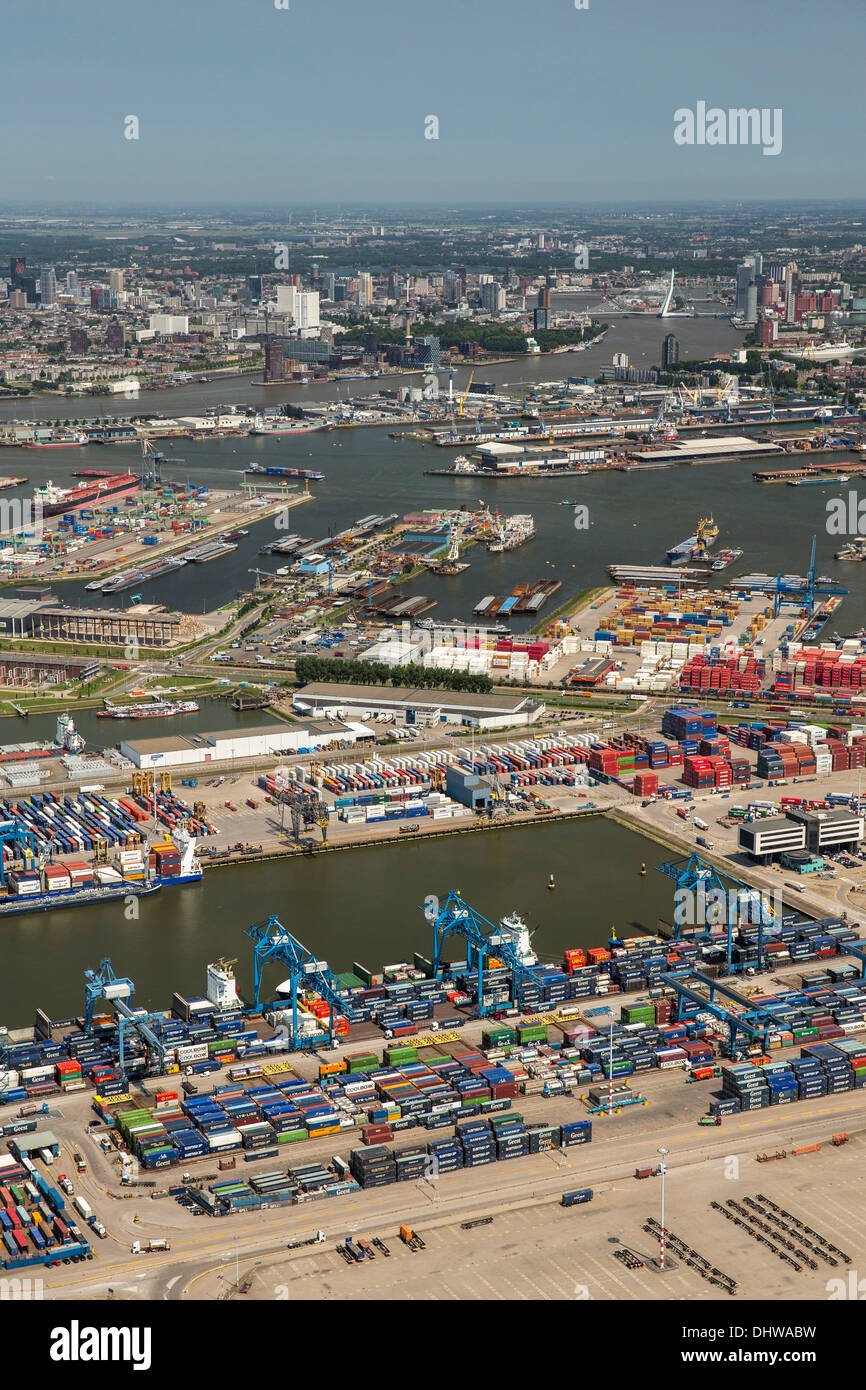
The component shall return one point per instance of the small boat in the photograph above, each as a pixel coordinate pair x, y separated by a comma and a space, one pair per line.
551, 882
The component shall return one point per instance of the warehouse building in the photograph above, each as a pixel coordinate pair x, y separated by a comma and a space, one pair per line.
237, 745
468, 788
143, 624
417, 706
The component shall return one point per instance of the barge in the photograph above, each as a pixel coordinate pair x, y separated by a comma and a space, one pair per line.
159, 709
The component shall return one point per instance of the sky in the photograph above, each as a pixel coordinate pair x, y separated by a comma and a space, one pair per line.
328, 101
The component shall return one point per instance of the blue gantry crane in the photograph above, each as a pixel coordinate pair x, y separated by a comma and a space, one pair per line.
272, 942
483, 940
754, 1020
13, 832
804, 591
702, 898
104, 984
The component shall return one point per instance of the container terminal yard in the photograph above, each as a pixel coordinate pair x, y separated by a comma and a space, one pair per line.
124, 1124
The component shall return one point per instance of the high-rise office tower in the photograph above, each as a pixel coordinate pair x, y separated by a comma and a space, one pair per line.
47, 286
670, 350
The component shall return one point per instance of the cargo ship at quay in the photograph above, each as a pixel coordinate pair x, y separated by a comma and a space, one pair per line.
55, 500
503, 984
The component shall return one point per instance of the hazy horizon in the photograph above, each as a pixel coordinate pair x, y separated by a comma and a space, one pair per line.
327, 102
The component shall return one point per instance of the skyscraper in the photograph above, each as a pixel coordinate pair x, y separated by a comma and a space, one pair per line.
47, 286
670, 350
307, 309
492, 297
115, 281
72, 283
115, 336
17, 268
745, 274
365, 290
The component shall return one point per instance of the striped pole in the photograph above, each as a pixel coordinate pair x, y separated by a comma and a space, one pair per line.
663, 1153
610, 1069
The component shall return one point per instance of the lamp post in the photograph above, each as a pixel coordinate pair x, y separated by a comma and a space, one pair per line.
663, 1153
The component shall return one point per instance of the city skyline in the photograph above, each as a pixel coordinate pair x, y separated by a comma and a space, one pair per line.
525, 106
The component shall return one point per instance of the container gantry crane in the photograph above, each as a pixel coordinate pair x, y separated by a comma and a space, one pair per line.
483, 940
803, 592
699, 885
104, 984
272, 942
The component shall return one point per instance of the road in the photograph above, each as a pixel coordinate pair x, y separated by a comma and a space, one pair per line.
620, 1144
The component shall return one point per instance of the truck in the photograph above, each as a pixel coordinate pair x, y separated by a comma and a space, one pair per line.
83, 1207
65, 1185
316, 1239
701, 824
98, 1227
149, 1247
576, 1198
80, 1162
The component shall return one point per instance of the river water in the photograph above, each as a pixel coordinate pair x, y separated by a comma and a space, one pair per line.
352, 905
363, 905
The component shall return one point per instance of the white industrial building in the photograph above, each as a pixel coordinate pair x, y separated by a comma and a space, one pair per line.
236, 744
169, 323
417, 706
814, 831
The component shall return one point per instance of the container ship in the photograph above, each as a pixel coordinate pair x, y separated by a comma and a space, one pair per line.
55, 500
67, 740
273, 471
138, 873
159, 709
725, 558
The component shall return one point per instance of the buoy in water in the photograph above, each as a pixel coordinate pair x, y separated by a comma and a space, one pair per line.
551, 882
